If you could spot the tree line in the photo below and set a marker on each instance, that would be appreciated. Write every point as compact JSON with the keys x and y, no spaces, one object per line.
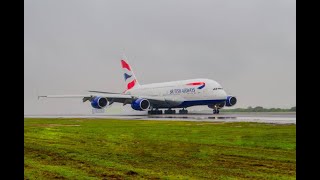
{"x":260,"y":109}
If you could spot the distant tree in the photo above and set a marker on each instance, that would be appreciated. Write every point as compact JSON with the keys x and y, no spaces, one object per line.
{"x":258,"y":109}
{"x":273,"y":109}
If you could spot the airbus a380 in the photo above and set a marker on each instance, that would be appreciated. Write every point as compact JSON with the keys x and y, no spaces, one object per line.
{"x":154,"y":97}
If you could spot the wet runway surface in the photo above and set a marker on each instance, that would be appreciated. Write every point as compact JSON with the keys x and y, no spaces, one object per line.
{"x":276,"y":118}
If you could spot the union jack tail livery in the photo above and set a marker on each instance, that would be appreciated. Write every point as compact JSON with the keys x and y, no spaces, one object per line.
{"x":129,"y":77}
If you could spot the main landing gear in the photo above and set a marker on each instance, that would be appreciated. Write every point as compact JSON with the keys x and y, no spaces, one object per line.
{"x":156,"y":111}
{"x":183,"y":111}
{"x":216,"y":111}
{"x":170,"y":111}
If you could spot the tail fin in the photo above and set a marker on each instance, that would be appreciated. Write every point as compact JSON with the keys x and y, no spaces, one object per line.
{"x":129,"y":77}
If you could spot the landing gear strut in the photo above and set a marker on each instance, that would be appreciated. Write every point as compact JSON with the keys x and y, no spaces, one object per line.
{"x":169,"y":111}
{"x":183,"y":111}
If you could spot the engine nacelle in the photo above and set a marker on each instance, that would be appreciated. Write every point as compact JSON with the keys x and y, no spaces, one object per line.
{"x":99,"y":102}
{"x":140,"y":104}
{"x":231,"y":100}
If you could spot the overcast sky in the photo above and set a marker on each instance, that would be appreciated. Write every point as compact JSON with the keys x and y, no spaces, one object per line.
{"x":71,"y":46}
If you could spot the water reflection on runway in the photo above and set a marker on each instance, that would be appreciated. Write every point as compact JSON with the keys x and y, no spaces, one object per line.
{"x":276,"y":118}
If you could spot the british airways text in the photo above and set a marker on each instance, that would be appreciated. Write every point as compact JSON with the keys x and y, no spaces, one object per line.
{"x":184,"y":90}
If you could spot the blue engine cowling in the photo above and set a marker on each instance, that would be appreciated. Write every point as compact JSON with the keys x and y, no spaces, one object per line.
{"x":140,"y":104}
{"x":99,"y":102}
{"x":231,"y":100}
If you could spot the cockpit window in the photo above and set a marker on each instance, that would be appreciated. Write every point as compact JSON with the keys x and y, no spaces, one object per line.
{"x":216,"y":88}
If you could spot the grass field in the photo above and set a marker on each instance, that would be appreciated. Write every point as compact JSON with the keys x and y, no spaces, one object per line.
{"x":131,"y":149}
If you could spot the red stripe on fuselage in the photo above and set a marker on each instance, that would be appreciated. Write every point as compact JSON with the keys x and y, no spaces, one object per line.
{"x":125,"y":65}
{"x":196,"y":83}
{"x":131,"y":84}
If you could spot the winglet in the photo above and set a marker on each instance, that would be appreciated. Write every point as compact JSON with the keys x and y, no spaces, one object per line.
{"x":40,"y":97}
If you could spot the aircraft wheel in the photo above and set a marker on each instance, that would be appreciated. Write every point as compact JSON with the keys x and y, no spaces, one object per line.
{"x":169,"y":111}
{"x":183,"y":111}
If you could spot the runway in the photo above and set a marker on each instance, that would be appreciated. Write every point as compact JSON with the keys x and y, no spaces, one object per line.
{"x":274,"y":118}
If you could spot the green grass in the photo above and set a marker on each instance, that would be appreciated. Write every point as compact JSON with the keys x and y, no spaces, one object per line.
{"x":131,"y":149}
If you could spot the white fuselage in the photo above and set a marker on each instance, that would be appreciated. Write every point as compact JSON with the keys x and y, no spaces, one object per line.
{"x":183,"y":93}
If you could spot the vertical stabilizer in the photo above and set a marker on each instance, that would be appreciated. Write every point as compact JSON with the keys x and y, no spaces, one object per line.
{"x":129,"y":77}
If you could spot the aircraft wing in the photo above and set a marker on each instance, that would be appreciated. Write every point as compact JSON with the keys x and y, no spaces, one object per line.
{"x":119,"y":98}
{"x":85,"y":97}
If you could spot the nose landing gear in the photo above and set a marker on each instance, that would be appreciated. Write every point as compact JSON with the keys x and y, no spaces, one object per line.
{"x":216,"y":111}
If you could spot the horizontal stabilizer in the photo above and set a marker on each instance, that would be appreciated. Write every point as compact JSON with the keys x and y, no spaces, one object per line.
{"x":104,"y":92}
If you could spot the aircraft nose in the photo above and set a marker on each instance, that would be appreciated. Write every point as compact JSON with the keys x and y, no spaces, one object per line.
{"x":223,"y":94}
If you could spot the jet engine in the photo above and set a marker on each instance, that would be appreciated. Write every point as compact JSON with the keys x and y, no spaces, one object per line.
{"x":99,"y":102}
{"x":140,"y":104}
{"x":231,"y":100}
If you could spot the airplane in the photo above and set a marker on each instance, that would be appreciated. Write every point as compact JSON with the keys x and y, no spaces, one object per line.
{"x":157,"y":96}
